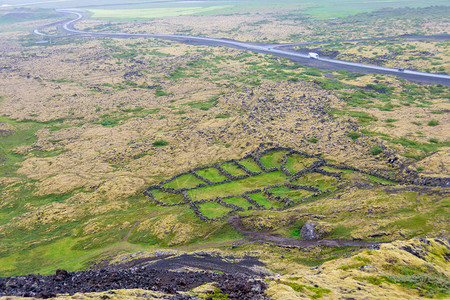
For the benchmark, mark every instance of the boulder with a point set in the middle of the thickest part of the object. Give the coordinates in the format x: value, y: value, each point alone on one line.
x: 308, y: 231
x: 315, y: 230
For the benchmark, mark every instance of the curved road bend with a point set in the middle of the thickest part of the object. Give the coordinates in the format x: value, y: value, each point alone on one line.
x: 321, y: 63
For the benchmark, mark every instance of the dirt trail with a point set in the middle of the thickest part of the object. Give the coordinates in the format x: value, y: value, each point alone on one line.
x: 267, y: 237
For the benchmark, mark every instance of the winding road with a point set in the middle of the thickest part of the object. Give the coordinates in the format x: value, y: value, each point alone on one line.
x: 320, y: 63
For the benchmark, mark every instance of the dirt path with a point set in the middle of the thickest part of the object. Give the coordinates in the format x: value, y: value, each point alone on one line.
x: 267, y: 237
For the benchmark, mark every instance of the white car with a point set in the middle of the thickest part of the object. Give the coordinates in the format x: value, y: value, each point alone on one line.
x: 313, y: 55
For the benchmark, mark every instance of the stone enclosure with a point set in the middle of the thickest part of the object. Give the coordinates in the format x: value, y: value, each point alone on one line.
x: 276, y: 178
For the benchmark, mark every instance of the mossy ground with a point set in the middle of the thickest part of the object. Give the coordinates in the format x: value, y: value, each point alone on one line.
x: 83, y: 147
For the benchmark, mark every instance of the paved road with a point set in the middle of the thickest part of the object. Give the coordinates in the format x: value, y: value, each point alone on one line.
x: 297, y: 56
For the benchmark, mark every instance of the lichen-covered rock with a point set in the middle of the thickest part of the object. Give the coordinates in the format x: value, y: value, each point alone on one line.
x: 308, y: 231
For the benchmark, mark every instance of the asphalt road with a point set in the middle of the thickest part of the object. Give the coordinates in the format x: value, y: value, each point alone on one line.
x: 297, y: 56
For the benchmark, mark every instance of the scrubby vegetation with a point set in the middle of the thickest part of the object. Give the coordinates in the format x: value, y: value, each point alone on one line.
x: 87, y: 125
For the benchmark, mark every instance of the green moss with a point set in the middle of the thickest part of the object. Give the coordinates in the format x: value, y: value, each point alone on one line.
x: 353, y: 135
x: 375, y: 150
x: 217, y: 295
x: 318, y: 292
x: 426, y: 280
x: 160, y: 143
x: 425, y: 147
x: 222, y: 116
x: 341, y: 231
x: 204, y: 105
x: 371, y: 279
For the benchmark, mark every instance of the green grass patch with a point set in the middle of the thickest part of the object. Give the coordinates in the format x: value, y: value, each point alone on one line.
x: 184, y: 181
x: 433, y: 123
x: 318, y: 292
x: 341, y: 231
x: 204, y: 105
x: 413, y: 224
x: 268, y: 204
x: 426, y: 147
x: 213, y: 210
x: 353, y: 135
x: 378, y: 179
x: 160, y: 143
x: 237, y: 187
x: 371, y: 279
x: 375, y: 150
x: 363, y: 118
x: 273, y: 159
x: 155, y: 12
x: 298, y: 162
x: 250, y: 164
x: 241, y: 202
x: 167, y: 197
x: 222, y: 116
x: 322, y: 182
x: 424, y: 279
x: 293, y: 195
x: 233, y: 169
x: 211, y: 174
x: 22, y: 134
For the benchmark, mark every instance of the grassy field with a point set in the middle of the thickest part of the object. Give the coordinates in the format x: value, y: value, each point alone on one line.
x: 320, y: 9
x: 237, y: 187
x: 111, y: 9
x: 329, y: 9
x: 149, y: 13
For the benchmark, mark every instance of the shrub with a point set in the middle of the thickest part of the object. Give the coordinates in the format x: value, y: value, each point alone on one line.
x: 222, y: 116
x: 160, y: 143
x: 375, y: 150
x: 433, y: 123
x: 313, y: 140
x: 353, y: 135
x: 391, y: 120
x: 434, y: 141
